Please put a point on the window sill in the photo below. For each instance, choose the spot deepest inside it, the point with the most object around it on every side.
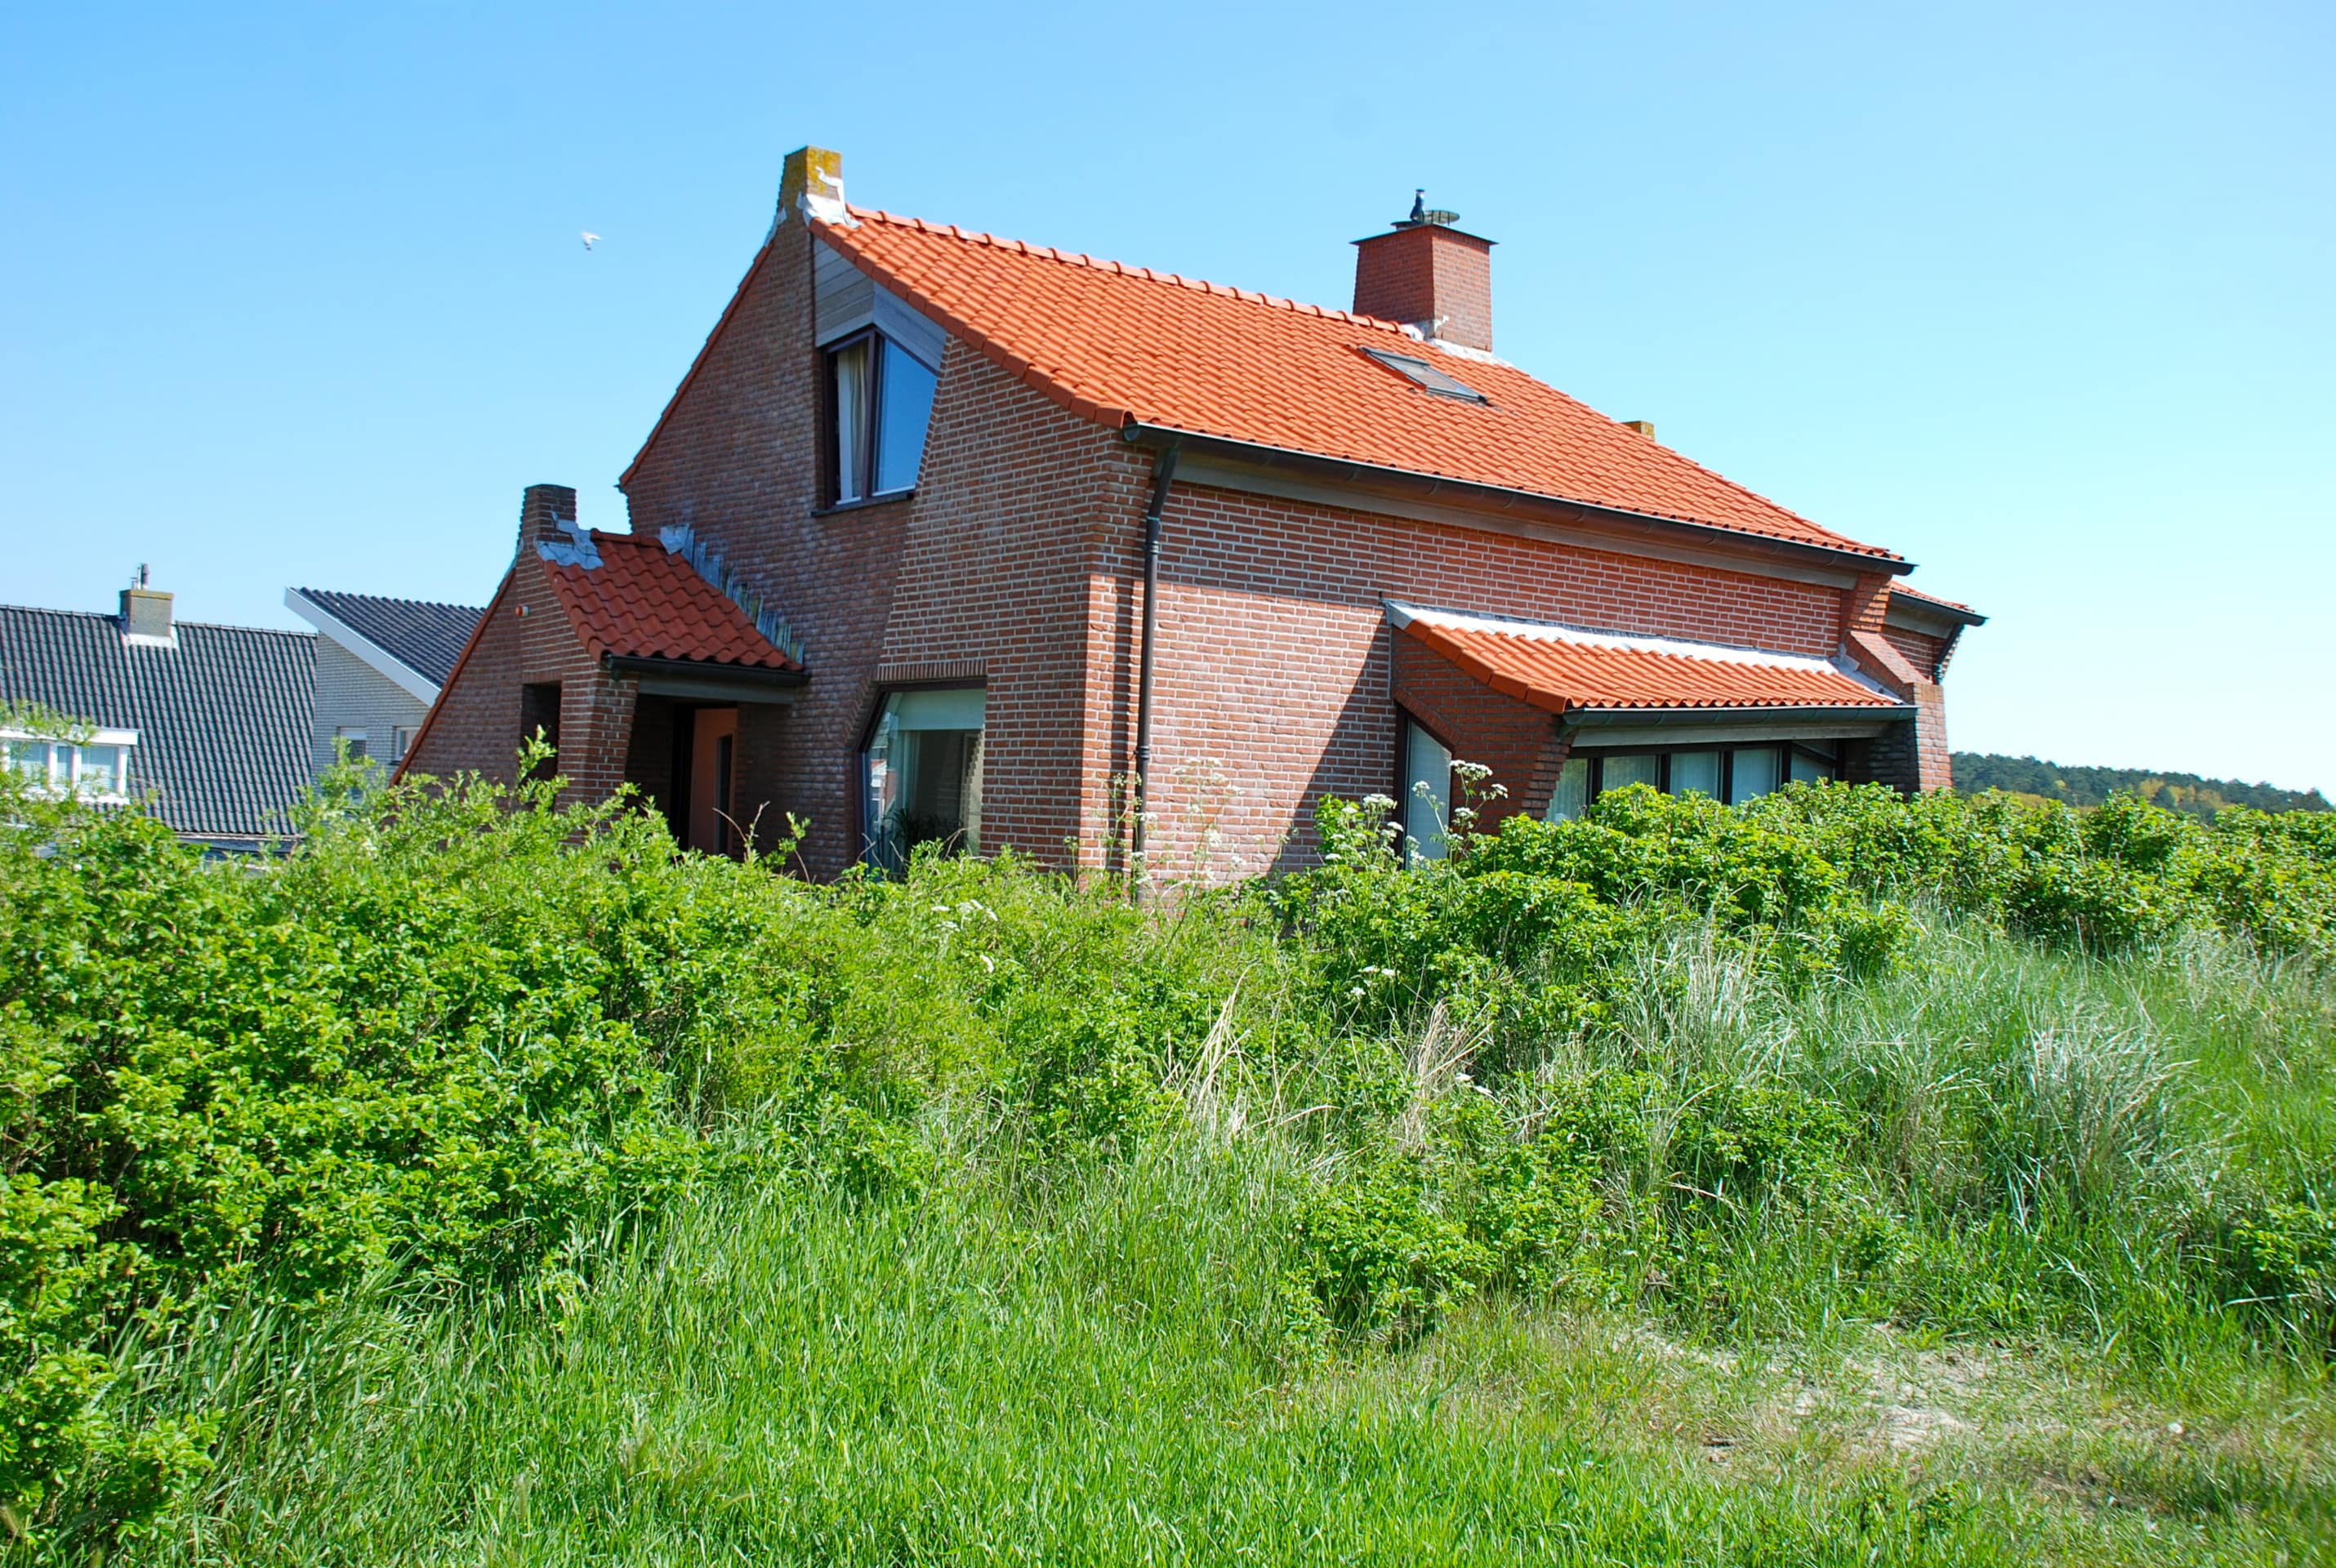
(888, 498)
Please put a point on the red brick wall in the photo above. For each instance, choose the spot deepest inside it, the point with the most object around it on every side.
(1274, 664)
(994, 573)
(738, 458)
(525, 637)
(1924, 652)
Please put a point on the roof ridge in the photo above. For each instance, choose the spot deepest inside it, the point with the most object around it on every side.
(390, 599)
(1126, 270)
(115, 616)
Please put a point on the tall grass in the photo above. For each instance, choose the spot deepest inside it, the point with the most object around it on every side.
(1029, 1359)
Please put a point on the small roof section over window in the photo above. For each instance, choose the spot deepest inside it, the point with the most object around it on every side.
(1568, 670)
(1426, 377)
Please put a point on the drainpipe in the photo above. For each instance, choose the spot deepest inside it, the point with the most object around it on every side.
(1163, 472)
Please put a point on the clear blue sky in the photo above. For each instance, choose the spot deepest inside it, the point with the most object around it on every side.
(2038, 296)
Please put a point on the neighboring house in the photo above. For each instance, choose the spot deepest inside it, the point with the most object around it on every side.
(379, 665)
(208, 726)
(951, 536)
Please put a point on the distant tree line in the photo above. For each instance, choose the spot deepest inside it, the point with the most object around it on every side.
(2091, 786)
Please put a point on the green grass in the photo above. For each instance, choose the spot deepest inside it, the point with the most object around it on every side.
(1089, 1375)
(1040, 1361)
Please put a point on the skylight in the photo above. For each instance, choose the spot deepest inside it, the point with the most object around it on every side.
(1427, 377)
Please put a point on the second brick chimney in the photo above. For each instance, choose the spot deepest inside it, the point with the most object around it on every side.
(540, 512)
(1427, 273)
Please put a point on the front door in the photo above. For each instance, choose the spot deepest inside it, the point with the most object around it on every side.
(713, 759)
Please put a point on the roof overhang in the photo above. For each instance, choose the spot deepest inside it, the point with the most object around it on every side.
(1931, 616)
(391, 668)
(700, 681)
(1614, 687)
(1241, 465)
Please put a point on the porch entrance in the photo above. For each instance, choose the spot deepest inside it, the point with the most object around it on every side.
(712, 776)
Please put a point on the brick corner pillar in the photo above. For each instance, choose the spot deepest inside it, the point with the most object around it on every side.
(1913, 757)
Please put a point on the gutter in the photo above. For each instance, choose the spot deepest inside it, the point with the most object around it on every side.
(1164, 474)
(1505, 500)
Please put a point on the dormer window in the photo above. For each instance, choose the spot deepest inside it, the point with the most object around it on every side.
(1426, 377)
(879, 398)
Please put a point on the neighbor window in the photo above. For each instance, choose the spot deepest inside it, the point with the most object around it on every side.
(922, 776)
(1730, 774)
(1426, 790)
(879, 399)
(99, 769)
(401, 738)
(353, 740)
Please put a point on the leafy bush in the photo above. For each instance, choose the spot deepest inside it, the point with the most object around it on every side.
(1726, 1063)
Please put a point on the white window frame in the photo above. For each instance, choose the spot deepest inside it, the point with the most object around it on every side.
(68, 753)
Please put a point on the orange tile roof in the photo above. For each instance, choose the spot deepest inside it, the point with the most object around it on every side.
(1561, 668)
(1126, 344)
(644, 602)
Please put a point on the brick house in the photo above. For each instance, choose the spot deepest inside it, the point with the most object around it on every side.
(945, 535)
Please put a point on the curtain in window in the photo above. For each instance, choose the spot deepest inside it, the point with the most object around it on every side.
(1427, 791)
(1755, 772)
(1571, 796)
(1695, 772)
(851, 421)
(1638, 767)
(1807, 769)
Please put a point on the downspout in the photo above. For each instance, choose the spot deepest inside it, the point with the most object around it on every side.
(1163, 472)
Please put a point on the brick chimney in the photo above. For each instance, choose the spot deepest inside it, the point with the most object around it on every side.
(811, 183)
(146, 613)
(539, 512)
(1427, 273)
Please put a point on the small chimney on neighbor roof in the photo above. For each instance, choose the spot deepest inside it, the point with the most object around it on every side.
(1426, 273)
(541, 511)
(146, 612)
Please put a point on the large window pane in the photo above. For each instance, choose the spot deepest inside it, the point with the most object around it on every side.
(100, 770)
(1807, 769)
(1635, 767)
(1695, 772)
(1428, 790)
(1571, 796)
(1755, 770)
(908, 394)
(922, 776)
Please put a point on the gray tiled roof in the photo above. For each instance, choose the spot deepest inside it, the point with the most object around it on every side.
(426, 637)
(222, 719)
